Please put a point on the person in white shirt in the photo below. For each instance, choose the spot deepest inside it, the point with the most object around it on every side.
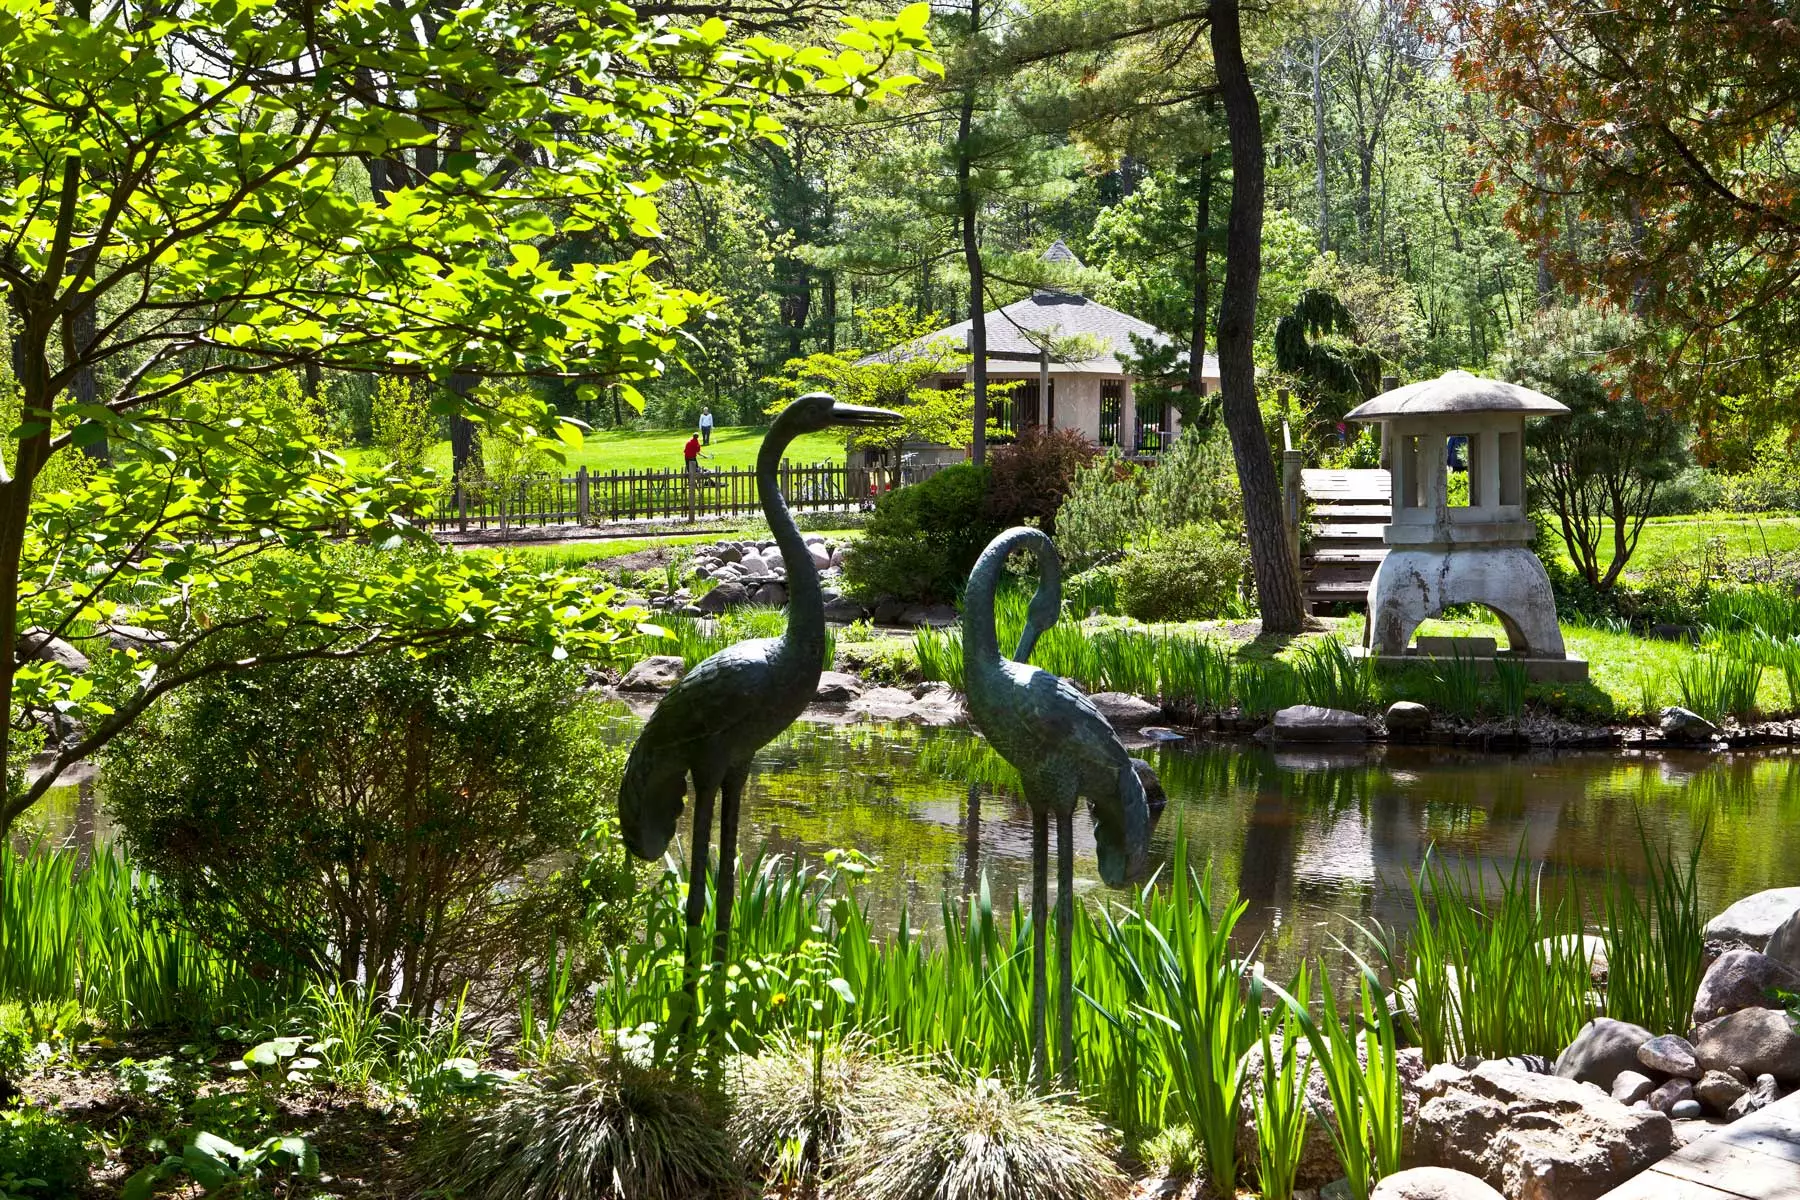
(706, 426)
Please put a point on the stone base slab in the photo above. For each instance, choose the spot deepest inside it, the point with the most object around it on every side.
(1537, 669)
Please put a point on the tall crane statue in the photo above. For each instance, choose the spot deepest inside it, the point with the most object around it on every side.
(712, 723)
(1064, 750)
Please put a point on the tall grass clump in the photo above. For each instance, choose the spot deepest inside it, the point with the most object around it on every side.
(1328, 675)
(982, 1139)
(1492, 971)
(1758, 607)
(800, 1102)
(1654, 946)
(1264, 688)
(1455, 686)
(1281, 1099)
(68, 933)
(1717, 685)
(1509, 679)
(939, 654)
(591, 1125)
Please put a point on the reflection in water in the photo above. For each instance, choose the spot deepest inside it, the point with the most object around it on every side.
(1312, 840)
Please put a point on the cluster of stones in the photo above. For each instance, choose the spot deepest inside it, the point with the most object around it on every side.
(1614, 1103)
(747, 573)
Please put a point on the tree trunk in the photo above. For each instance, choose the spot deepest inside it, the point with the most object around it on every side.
(1202, 248)
(1277, 578)
(1318, 104)
(965, 207)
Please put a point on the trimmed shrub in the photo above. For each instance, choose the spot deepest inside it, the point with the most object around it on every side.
(1191, 573)
(591, 1127)
(409, 823)
(924, 538)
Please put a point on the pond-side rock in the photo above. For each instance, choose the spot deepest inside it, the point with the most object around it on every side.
(888, 610)
(1628, 1087)
(1766, 1091)
(1311, 723)
(724, 596)
(1758, 1041)
(36, 643)
(821, 557)
(136, 637)
(836, 687)
(1602, 1049)
(1719, 1090)
(1684, 1110)
(1740, 979)
(1675, 1091)
(1682, 725)
(1535, 1137)
(938, 616)
(1591, 945)
(1754, 919)
(1432, 1183)
(658, 673)
(938, 703)
(1124, 709)
(844, 610)
(1670, 1054)
(773, 594)
(885, 704)
(1784, 943)
(1407, 719)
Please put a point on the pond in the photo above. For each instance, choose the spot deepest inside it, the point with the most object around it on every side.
(1313, 840)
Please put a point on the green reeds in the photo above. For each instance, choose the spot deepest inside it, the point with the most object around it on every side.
(1716, 685)
(1510, 680)
(1759, 607)
(1492, 971)
(1455, 686)
(1281, 1115)
(84, 934)
(1328, 675)
(1654, 946)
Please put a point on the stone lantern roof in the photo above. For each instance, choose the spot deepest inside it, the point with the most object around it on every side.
(1455, 393)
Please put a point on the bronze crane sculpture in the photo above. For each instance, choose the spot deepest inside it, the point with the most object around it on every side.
(712, 723)
(1064, 750)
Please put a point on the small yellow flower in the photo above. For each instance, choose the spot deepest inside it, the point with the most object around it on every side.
(778, 999)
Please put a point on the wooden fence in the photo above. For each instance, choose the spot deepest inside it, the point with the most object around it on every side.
(619, 496)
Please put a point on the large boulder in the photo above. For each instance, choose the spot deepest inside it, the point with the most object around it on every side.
(1740, 979)
(884, 704)
(38, 644)
(1432, 1183)
(1407, 720)
(137, 637)
(1682, 725)
(1670, 1054)
(843, 610)
(835, 687)
(1757, 1041)
(658, 673)
(1754, 919)
(1631, 1086)
(727, 595)
(1719, 1090)
(1784, 943)
(1602, 1049)
(1310, 723)
(1124, 710)
(1535, 1137)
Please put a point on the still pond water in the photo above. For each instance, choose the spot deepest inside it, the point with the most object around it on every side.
(1312, 840)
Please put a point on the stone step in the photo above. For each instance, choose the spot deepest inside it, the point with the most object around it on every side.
(1754, 1158)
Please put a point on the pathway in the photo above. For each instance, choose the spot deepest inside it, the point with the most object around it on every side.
(1756, 1158)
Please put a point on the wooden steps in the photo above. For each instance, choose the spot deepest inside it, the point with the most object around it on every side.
(1343, 545)
(1754, 1158)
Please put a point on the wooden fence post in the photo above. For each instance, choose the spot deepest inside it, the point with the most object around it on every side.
(581, 496)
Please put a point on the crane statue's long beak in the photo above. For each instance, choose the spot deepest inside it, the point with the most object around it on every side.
(862, 414)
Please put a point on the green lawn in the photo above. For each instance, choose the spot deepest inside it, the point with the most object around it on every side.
(571, 555)
(660, 449)
(1686, 538)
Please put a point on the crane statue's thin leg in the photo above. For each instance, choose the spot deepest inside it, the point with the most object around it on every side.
(1065, 946)
(696, 913)
(727, 878)
(1040, 915)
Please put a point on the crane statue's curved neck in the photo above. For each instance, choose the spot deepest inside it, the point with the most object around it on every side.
(805, 633)
(981, 646)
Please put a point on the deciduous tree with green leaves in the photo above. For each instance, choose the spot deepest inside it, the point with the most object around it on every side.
(189, 213)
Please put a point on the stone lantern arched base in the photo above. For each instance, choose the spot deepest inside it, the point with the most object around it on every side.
(1413, 584)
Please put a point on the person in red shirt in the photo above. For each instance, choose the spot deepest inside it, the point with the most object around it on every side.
(691, 452)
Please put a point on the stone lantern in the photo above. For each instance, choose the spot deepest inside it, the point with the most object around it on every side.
(1476, 552)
